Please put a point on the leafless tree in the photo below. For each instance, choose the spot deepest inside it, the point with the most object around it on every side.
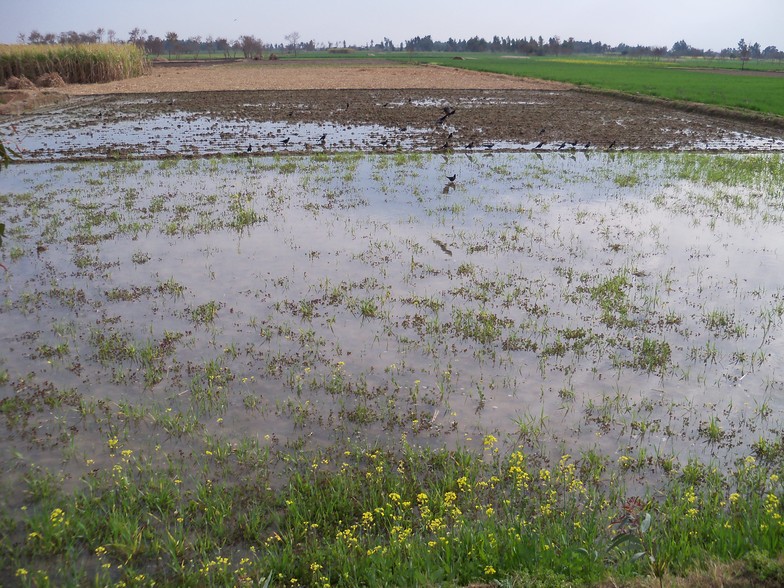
(293, 39)
(110, 35)
(251, 47)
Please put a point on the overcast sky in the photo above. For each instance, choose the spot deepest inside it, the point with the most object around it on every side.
(706, 24)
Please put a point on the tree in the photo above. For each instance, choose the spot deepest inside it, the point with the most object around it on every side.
(172, 43)
(743, 52)
(293, 39)
(222, 44)
(136, 36)
(251, 47)
(154, 45)
(110, 35)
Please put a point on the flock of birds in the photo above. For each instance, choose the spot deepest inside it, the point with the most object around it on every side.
(447, 112)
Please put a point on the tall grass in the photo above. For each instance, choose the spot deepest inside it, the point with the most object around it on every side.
(76, 64)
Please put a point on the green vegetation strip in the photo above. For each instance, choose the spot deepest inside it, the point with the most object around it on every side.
(369, 516)
(757, 93)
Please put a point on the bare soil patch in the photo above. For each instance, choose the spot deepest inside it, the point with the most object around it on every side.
(309, 75)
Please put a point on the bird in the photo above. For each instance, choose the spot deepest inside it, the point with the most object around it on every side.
(611, 145)
(562, 145)
(588, 144)
(471, 145)
(539, 145)
(250, 148)
(448, 111)
(286, 141)
(451, 178)
(323, 139)
(541, 131)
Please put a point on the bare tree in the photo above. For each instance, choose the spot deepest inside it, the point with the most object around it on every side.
(251, 47)
(136, 36)
(110, 35)
(293, 39)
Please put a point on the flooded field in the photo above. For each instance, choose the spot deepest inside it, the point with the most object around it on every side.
(498, 353)
(628, 304)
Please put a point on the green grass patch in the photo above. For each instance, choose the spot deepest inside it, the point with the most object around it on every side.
(750, 92)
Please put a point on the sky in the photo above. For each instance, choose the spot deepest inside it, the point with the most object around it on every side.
(705, 24)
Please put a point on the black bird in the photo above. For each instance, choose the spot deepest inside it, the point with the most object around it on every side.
(562, 145)
(451, 178)
(488, 145)
(448, 111)
(471, 145)
(250, 148)
(286, 141)
(323, 139)
(588, 144)
(611, 145)
(539, 145)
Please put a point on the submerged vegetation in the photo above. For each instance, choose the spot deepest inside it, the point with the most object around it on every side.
(76, 64)
(330, 371)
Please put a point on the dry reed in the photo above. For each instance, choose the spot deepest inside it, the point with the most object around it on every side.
(76, 64)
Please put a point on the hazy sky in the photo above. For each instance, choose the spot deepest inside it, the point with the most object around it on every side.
(707, 24)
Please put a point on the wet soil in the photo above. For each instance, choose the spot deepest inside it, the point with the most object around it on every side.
(380, 108)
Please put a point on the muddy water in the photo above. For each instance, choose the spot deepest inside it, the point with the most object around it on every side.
(209, 123)
(595, 300)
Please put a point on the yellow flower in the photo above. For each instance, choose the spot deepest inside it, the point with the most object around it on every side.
(315, 567)
(21, 573)
(489, 441)
(734, 497)
(489, 570)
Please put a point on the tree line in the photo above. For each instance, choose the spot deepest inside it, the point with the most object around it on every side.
(248, 46)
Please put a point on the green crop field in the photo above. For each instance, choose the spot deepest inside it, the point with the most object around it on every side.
(757, 92)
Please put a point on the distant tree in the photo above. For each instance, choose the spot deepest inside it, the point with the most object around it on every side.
(99, 33)
(154, 45)
(771, 52)
(110, 35)
(293, 39)
(194, 44)
(251, 47)
(221, 44)
(680, 48)
(172, 43)
(743, 52)
(136, 36)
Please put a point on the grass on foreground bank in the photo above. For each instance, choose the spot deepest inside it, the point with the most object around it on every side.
(370, 516)
(758, 93)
